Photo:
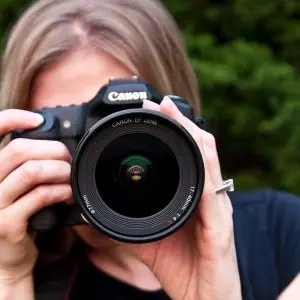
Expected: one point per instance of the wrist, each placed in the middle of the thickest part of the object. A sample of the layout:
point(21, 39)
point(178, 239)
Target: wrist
point(17, 289)
point(236, 294)
point(233, 294)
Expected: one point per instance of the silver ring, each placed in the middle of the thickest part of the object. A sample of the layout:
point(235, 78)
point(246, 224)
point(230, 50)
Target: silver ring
point(227, 186)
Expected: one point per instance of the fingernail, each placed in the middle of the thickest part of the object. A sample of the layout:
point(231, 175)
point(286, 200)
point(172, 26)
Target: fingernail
point(38, 118)
point(150, 105)
point(169, 103)
point(168, 100)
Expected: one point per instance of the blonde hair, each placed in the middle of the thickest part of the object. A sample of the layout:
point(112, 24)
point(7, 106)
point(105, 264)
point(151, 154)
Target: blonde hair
point(139, 33)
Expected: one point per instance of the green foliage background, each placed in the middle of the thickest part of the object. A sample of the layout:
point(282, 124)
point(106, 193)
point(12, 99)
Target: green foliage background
point(246, 54)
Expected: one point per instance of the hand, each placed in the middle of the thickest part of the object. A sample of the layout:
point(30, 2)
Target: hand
point(33, 175)
point(198, 262)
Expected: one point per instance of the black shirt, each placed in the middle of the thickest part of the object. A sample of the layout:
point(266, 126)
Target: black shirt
point(93, 284)
point(267, 237)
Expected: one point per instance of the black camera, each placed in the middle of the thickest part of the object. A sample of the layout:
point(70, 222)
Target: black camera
point(137, 175)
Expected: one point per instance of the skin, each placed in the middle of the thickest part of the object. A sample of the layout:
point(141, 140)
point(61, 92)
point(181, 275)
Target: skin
point(292, 291)
point(203, 250)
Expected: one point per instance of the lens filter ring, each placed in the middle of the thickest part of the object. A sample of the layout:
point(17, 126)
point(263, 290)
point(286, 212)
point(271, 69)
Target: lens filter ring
point(144, 129)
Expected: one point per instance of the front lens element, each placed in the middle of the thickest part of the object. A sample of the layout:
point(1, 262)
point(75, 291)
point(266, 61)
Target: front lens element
point(135, 169)
point(137, 175)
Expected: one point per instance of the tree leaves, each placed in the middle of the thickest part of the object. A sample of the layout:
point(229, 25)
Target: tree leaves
point(246, 56)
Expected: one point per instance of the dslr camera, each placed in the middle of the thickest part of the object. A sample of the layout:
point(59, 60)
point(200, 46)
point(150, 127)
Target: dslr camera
point(137, 175)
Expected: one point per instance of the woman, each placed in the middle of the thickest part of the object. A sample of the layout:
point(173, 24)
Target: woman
point(60, 53)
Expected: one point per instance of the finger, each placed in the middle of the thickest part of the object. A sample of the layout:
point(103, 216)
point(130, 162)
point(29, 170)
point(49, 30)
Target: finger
point(215, 214)
point(31, 174)
point(169, 108)
point(38, 198)
point(229, 206)
point(209, 208)
point(204, 140)
point(212, 162)
point(14, 119)
point(215, 225)
point(213, 165)
point(19, 151)
point(215, 169)
point(151, 105)
point(215, 218)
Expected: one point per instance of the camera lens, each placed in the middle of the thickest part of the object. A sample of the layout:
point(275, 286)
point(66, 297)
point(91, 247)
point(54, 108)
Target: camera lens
point(137, 175)
point(135, 169)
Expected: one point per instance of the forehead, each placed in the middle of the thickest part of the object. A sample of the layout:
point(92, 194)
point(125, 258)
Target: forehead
point(76, 78)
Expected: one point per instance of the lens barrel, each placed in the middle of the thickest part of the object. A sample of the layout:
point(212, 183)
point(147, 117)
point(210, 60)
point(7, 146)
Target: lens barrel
point(137, 175)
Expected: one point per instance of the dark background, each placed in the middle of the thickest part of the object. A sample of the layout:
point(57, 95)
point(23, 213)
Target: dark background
point(246, 54)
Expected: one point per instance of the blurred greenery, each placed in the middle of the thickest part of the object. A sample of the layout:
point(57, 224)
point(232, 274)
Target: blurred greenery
point(246, 54)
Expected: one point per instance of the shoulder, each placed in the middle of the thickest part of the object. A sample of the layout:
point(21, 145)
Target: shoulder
point(267, 234)
point(273, 209)
point(270, 199)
